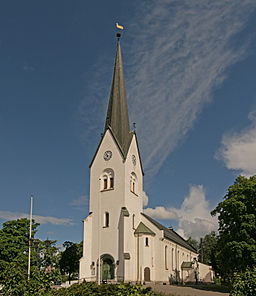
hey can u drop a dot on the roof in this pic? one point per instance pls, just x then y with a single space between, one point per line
117 114
171 234
117 119
143 229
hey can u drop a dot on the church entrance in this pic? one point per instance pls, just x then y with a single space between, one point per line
108 267
147 274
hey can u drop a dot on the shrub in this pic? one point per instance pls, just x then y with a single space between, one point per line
244 283
93 289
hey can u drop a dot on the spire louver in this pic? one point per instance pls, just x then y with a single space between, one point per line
117 115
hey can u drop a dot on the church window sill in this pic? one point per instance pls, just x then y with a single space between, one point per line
108 189
134 193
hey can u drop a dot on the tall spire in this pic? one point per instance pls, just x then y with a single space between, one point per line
117 115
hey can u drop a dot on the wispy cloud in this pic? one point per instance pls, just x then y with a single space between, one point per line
28 68
6 215
194 218
179 56
238 150
80 202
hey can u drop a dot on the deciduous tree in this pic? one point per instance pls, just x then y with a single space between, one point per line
69 261
236 247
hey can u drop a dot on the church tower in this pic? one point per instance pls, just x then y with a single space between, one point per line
116 187
120 242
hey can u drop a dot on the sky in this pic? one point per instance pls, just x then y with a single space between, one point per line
190 69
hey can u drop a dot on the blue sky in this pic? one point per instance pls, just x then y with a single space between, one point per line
190 78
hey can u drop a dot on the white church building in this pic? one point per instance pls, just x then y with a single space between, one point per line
120 242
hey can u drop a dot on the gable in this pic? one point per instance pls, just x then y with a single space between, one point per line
170 234
134 146
116 142
143 229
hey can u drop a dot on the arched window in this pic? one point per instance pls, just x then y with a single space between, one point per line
178 261
133 183
133 221
166 257
173 259
106 219
146 242
107 179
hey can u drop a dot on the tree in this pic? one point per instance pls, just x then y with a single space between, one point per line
207 248
69 261
236 246
193 243
14 241
48 253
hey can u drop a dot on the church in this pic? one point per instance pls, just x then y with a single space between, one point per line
120 242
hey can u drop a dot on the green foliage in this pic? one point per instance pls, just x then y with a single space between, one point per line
93 289
207 248
16 283
47 253
244 283
14 240
236 246
15 277
69 261
193 242
14 243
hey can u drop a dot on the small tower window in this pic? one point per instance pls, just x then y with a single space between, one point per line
133 183
146 242
133 221
106 219
107 180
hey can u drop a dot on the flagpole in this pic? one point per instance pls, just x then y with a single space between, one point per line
30 234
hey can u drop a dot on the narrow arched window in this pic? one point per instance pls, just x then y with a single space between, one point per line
146 242
178 261
107 180
133 183
133 221
172 259
106 219
166 257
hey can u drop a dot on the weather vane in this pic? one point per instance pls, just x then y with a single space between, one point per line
119 29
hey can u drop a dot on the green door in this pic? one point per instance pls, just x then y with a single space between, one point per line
107 270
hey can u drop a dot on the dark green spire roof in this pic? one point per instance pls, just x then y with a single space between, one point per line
117 115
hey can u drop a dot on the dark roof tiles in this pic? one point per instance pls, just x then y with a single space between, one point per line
171 234
117 115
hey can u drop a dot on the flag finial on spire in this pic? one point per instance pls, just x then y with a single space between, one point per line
119 29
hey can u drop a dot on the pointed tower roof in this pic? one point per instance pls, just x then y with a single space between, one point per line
117 115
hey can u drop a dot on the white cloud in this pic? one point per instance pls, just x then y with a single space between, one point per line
144 198
238 150
180 52
194 218
6 215
161 213
81 201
